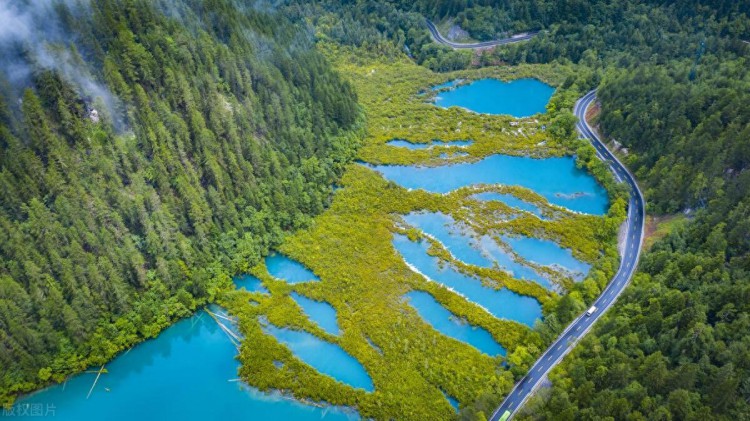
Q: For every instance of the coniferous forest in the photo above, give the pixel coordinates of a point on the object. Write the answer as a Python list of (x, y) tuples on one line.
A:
[(154, 149), (217, 132)]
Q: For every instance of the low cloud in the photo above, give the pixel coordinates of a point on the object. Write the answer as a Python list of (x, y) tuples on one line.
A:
[(32, 38)]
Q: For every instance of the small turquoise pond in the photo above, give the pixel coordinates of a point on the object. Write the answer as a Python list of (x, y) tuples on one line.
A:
[(291, 271), (557, 179), (323, 314), (409, 145), (250, 283), (509, 200), (456, 239), (547, 252), (465, 246), (329, 359), (451, 400), (448, 324), (503, 303), (184, 373), (518, 98)]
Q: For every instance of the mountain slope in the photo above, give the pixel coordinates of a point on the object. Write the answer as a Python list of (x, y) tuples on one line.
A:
[(148, 151)]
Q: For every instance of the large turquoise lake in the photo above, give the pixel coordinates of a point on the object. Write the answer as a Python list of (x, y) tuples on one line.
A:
[(186, 373), (557, 179), (518, 98)]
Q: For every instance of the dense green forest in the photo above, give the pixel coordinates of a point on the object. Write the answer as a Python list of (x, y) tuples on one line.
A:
[(601, 33), (676, 345), (148, 151)]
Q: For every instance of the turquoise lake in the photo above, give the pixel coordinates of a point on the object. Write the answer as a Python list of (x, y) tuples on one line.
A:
[(322, 314), (448, 324), (286, 269), (458, 240), (467, 247), (503, 303), (452, 401), (327, 358), (518, 98), (184, 373), (557, 179), (546, 252), (250, 283)]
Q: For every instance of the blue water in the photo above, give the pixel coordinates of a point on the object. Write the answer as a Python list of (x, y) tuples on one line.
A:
[(464, 246), (456, 239), (291, 271), (557, 179), (509, 200), (250, 283), (516, 269), (448, 324), (327, 358), (501, 303), (451, 400), (409, 145), (323, 314), (547, 252), (518, 98), (182, 374)]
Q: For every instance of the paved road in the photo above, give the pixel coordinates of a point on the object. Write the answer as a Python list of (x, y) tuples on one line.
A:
[(581, 325), (516, 38)]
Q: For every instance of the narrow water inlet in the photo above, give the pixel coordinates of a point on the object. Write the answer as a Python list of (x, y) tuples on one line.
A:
[(445, 322), (502, 303), (511, 201), (547, 252), (466, 246), (325, 357), (321, 313), (250, 283), (286, 269)]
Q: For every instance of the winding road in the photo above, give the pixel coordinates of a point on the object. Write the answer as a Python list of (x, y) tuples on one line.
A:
[(515, 38), (629, 260)]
